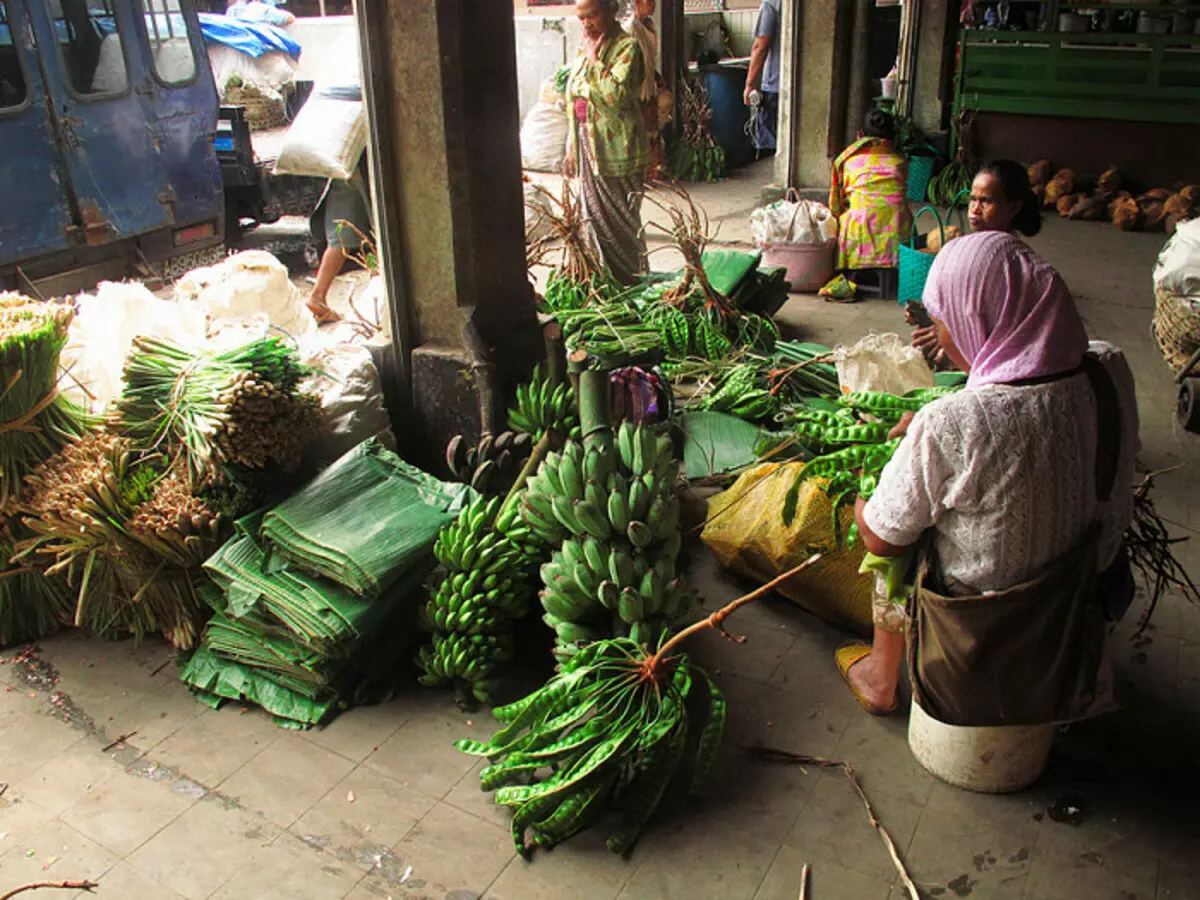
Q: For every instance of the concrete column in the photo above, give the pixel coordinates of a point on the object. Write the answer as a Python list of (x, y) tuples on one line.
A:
[(823, 52), (442, 82), (935, 51)]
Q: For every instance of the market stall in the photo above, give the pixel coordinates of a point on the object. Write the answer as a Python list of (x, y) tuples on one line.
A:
[(1088, 86)]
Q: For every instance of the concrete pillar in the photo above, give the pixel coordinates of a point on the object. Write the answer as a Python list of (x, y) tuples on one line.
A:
[(823, 53), (935, 52), (442, 82)]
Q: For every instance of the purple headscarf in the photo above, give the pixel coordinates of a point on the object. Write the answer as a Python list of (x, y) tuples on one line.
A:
[(1010, 314)]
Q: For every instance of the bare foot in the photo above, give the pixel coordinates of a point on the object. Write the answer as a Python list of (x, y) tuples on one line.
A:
[(876, 686)]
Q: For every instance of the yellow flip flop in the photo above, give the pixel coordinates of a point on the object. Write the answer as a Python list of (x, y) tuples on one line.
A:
[(845, 657)]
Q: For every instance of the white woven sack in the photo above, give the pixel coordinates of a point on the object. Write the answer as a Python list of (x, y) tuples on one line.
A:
[(544, 138), (326, 140)]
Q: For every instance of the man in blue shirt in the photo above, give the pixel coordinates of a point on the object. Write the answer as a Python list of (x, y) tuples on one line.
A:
[(763, 76)]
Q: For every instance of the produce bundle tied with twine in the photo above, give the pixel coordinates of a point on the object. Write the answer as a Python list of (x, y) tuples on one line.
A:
[(240, 407), (36, 420)]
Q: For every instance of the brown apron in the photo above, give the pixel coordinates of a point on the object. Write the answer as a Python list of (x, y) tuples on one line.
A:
[(1030, 654)]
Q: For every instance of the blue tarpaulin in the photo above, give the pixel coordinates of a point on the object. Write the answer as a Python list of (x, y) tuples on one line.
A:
[(252, 38)]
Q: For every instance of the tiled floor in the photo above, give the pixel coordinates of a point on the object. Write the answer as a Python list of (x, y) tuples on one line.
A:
[(197, 803)]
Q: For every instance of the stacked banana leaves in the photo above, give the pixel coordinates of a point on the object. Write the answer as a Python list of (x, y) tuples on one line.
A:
[(364, 521), (126, 531), (318, 597)]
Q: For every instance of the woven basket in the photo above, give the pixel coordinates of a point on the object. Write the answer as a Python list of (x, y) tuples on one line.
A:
[(915, 264), (1176, 327), (262, 112), (920, 171)]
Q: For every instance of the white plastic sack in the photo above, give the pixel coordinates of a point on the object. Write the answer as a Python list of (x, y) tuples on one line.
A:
[(544, 138), (347, 382), (1178, 266), (270, 73), (881, 362), (793, 222), (243, 287), (102, 334), (326, 140), (537, 225)]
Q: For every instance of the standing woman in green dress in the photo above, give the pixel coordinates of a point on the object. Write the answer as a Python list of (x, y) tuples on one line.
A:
[(609, 149)]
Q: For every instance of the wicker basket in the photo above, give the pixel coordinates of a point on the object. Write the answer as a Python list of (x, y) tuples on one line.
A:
[(1176, 327), (920, 171), (262, 112)]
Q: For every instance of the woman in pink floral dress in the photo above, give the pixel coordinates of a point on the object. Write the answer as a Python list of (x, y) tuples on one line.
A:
[(870, 180)]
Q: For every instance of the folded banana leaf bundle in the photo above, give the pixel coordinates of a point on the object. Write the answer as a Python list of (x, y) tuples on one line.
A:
[(364, 521)]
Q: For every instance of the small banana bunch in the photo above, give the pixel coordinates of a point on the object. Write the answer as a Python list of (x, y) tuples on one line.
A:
[(484, 591), (489, 464), (615, 516), (542, 406)]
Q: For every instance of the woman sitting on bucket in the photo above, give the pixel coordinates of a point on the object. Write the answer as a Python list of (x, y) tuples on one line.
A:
[(1007, 484)]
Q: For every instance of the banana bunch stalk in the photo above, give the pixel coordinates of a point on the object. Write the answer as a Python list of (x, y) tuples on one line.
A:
[(484, 591), (543, 406), (491, 463), (615, 517)]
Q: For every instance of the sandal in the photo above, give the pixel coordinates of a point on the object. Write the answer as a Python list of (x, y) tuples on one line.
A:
[(324, 315), (844, 658)]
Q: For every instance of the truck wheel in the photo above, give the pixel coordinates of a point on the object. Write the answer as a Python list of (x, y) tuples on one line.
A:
[(1187, 411)]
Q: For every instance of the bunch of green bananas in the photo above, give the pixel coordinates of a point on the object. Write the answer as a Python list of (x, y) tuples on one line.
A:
[(484, 590), (543, 406), (616, 519), (491, 462)]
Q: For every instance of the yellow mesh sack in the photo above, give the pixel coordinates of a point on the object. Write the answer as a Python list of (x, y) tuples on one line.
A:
[(745, 532)]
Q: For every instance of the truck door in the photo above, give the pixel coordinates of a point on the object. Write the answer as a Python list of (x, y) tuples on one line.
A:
[(37, 216), (93, 70)]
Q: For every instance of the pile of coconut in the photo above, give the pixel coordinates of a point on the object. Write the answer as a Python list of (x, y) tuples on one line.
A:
[(1103, 199)]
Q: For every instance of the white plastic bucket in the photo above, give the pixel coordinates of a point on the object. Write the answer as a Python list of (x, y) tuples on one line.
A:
[(987, 760)]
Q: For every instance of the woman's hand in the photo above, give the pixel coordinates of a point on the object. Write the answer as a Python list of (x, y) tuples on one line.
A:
[(900, 429)]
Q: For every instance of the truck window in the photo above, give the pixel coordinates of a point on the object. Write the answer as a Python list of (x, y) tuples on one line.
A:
[(170, 48), (90, 43), (12, 78)]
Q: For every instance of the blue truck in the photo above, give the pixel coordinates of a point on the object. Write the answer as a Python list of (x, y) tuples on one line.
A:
[(117, 155)]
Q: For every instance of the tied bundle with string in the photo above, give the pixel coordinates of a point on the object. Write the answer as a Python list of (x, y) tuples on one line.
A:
[(239, 408), (126, 533), (36, 420)]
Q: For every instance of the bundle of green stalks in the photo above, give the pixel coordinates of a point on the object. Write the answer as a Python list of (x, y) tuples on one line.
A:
[(31, 605), (235, 408), (35, 419), (127, 533)]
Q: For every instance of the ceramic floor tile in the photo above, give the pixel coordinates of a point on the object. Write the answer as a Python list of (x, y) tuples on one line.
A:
[(203, 848), (826, 879), (1176, 884), (432, 856), (286, 779), (156, 717), (878, 750), (467, 796), (359, 732), (362, 817), (950, 855), (124, 882), (1069, 876), (68, 778), (585, 868), (290, 868), (834, 825), (20, 819), (214, 745), (55, 852), (30, 740), (421, 753), (755, 660), (126, 810)]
